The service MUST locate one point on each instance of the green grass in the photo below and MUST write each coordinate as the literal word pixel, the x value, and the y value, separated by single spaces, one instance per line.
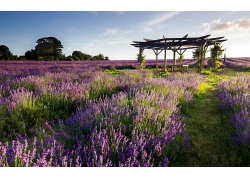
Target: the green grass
pixel 208 127
pixel 113 71
pixel 208 134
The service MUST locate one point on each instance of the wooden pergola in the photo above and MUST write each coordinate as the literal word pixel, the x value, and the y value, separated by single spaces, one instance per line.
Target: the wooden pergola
pixel 179 45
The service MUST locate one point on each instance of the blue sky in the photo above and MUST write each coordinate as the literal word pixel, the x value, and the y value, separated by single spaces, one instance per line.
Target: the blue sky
pixel 111 32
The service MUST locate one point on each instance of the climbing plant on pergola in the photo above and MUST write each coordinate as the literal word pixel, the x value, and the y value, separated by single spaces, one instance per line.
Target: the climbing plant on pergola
pixel 177 45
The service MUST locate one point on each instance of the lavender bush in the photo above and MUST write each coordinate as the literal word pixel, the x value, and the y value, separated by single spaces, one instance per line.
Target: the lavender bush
pixel 64 117
pixel 234 97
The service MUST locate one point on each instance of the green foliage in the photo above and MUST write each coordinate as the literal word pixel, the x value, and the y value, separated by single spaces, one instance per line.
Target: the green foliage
pixel 218 64
pixel 21 58
pixel 22 119
pixel 141 58
pixel 49 48
pixel 199 54
pixel 70 58
pixel 63 57
pixel 216 54
pixel 180 58
pixel 206 72
pixel 59 107
pixel 213 79
pixel 78 55
pixel 161 74
pixel 40 58
pixel 203 88
pixel 31 55
pixel 14 57
pixel 113 70
pixel 100 57
pixel 5 53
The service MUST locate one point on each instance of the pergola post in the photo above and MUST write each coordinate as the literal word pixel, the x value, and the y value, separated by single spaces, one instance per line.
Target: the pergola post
pixel 204 49
pixel 165 56
pixel 157 53
pixel 203 56
pixel 156 59
pixel 140 55
pixel 174 55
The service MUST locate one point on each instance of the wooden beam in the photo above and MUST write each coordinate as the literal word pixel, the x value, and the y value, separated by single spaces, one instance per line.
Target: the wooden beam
pixel 177 43
pixel 180 53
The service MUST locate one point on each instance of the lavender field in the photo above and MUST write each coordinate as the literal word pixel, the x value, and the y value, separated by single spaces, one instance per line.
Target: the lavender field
pixel 238 62
pixel 75 114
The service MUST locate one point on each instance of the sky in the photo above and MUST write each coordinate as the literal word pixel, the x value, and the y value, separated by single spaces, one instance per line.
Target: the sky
pixel 110 31
pixel 109 27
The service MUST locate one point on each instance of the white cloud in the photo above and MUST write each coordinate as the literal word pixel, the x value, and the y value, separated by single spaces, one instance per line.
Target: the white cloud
pixel 161 17
pixel 111 41
pixel 127 32
pixel 208 26
pixel 147 29
pixel 110 37
pixel 69 48
pixel 243 23
pixel 227 26
pixel 110 31
pixel 71 29
pixel 189 20
pixel 115 32
pixel 158 20
pixel 218 26
pixel 216 21
pixel 99 44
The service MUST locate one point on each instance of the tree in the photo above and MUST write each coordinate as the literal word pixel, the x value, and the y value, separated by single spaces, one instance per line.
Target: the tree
pixel 14 57
pixel 141 58
pixel 199 54
pixel 216 54
pixel 5 53
pixel 63 57
pixel 21 58
pixel 78 55
pixel 69 58
pixel 95 58
pixel 31 55
pixel 87 56
pixel 50 48
pixel 101 57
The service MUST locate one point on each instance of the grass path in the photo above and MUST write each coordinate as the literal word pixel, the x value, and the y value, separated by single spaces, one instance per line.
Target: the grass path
pixel 209 134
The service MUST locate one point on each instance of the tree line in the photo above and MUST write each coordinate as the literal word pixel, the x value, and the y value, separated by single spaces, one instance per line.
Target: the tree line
pixel 48 49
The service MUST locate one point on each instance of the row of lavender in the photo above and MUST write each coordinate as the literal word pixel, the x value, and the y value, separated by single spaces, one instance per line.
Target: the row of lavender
pixel 130 119
pixel 237 62
pixel 31 67
pixel 234 97
pixel 27 102
pixel 35 67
